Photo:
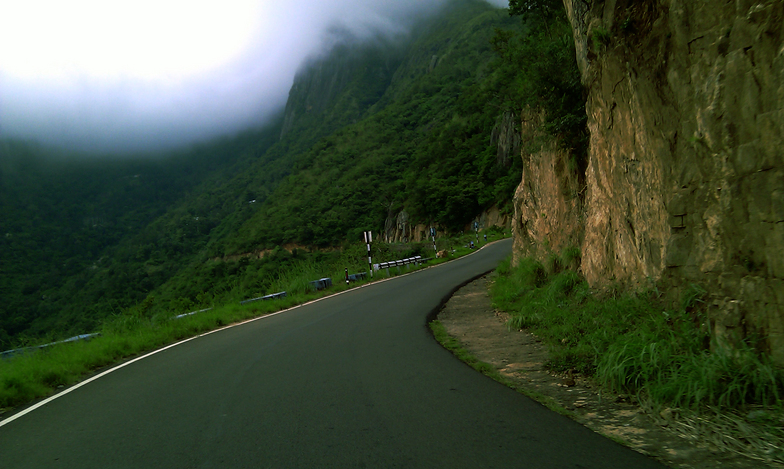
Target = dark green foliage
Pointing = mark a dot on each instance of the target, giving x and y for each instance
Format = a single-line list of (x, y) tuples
[(665, 360), (86, 237), (538, 12), (632, 344), (551, 82), (600, 38)]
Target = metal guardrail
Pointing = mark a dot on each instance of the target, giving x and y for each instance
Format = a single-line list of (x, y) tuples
[(321, 283), (18, 351), (398, 263), (191, 313), (265, 297), (358, 276)]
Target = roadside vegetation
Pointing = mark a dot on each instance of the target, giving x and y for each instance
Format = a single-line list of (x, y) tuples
[(139, 329), (663, 358), (632, 344)]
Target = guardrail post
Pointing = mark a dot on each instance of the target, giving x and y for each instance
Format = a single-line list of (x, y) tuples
[(369, 239)]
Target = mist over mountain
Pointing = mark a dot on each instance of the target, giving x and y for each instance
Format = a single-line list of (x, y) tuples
[(124, 78)]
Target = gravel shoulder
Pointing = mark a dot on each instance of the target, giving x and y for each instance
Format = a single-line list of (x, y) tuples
[(519, 356)]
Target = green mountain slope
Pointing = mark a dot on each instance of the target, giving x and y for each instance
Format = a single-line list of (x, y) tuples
[(66, 219), (368, 130), (425, 146)]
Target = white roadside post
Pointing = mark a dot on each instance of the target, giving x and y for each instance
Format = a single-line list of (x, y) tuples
[(433, 234), (368, 240)]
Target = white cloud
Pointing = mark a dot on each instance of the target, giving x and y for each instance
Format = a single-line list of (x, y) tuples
[(123, 75)]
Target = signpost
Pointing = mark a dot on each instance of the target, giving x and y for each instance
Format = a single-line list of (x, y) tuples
[(369, 239), (476, 229), (433, 234)]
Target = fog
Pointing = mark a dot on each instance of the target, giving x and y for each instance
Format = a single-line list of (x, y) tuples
[(126, 76)]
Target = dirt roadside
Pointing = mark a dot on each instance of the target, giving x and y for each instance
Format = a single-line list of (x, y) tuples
[(519, 356)]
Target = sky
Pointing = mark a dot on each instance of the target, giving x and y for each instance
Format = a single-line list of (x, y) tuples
[(125, 76)]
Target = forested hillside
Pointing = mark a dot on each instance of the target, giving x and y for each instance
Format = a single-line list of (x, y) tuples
[(424, 123), (67, 221), (426, 146)]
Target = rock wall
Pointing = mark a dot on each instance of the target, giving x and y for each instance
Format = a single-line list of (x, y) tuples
[(493, 217), (548, 204), (685, 181), (400, 228)]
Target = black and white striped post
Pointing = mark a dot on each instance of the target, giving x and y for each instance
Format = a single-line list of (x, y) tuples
[(433, 234), (368, 240)]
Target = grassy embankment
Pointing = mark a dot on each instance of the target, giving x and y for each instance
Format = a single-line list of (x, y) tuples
[(36, 374), (630, 343), (663, 358)]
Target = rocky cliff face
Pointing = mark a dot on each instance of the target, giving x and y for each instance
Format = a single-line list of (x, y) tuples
[(400, 228), (685, 181), (548, 203)]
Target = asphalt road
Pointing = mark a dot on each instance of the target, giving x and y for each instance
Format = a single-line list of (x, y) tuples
[(355, 380)]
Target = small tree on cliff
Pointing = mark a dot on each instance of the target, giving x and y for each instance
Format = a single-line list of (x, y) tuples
[(539, 70), (537, 12)]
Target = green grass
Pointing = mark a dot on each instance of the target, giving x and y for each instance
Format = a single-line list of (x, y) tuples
[(675, 371), (630, 343), (601, 37), (137, 330), (37, 374)]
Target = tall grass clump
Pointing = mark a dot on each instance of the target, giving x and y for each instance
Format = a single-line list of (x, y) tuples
[(670, 368), (632, 344)]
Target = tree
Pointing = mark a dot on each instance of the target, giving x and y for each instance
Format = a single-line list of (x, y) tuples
[(543, 8), (537, 13)]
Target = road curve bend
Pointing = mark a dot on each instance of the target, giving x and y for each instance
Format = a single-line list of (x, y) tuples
[(354, 380)]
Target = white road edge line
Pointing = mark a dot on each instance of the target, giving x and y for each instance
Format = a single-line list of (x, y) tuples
[(122, 365)]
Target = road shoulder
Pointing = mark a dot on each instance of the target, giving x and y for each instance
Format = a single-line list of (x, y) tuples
[(517, 359)]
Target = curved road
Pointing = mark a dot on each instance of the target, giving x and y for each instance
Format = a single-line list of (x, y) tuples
[(355, 380)]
